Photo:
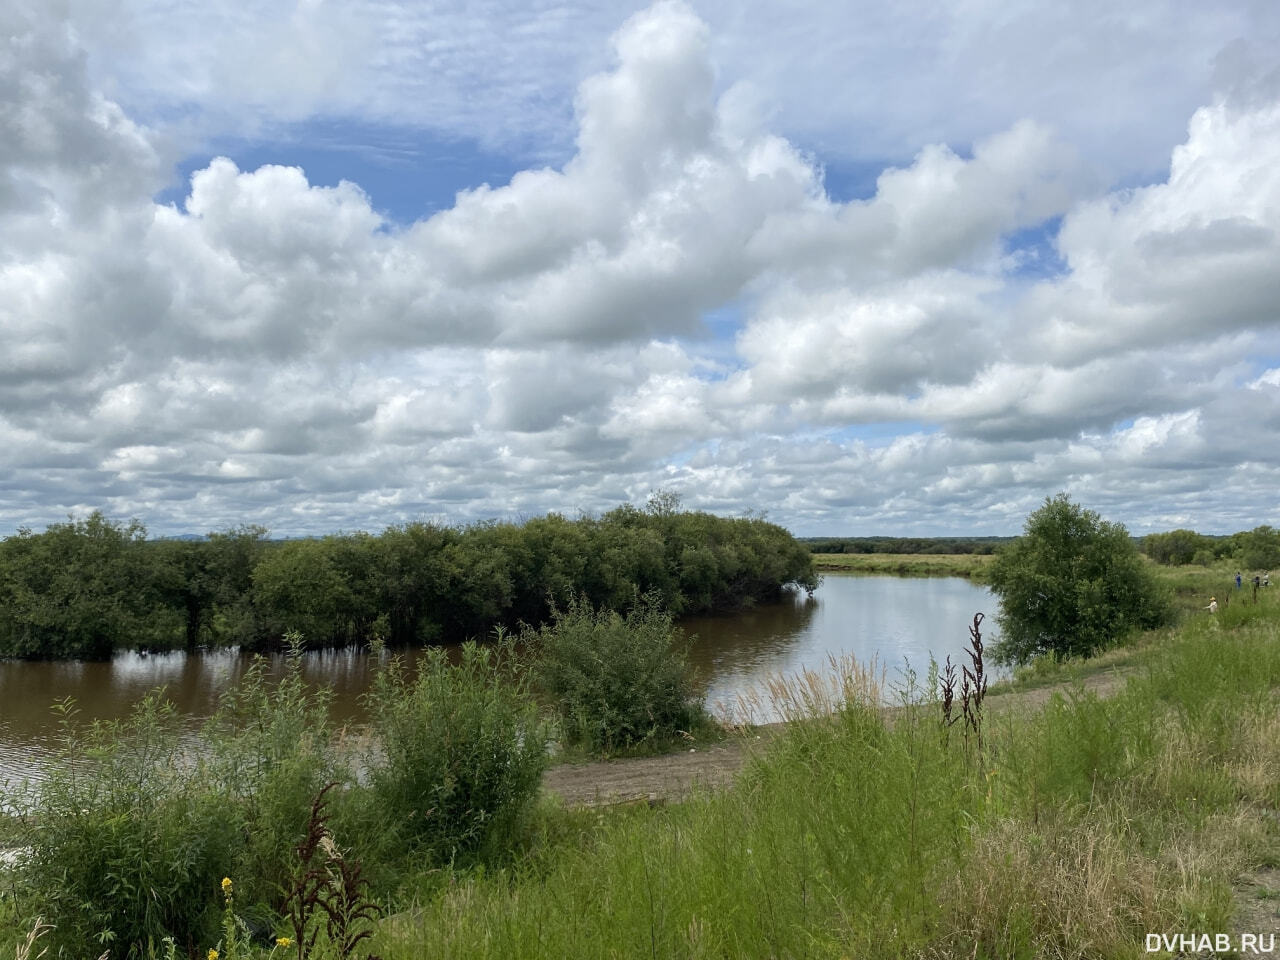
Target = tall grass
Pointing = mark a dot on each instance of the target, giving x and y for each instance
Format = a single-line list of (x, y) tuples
[(1079, 828), (126, 841), (460, 755), (808, 694)]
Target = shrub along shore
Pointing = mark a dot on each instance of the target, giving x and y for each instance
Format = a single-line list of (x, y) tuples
[(1079, 826), (87, 588), (1072, 829)]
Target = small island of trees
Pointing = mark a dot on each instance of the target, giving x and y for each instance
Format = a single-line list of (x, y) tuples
[(89, 587)]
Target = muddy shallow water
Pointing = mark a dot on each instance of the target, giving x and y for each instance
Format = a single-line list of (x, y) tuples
[(888, 619)]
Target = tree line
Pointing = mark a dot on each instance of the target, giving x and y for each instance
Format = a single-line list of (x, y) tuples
[(912, 545), (1256, 549), (89, 587)]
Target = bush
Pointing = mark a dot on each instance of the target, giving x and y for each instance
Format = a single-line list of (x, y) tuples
[(126, 844), (462, 754), (268, 751), (75, 591), (138, 820), (1203, 558), (616, 682), (1071, 584), (1177, 547)]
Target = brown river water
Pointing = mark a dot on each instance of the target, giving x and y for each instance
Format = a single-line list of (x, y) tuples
[(889, 620)]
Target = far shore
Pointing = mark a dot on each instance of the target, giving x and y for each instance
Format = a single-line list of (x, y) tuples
[(969, 565)]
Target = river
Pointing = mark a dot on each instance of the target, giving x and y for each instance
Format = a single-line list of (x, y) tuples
[(886, 620)]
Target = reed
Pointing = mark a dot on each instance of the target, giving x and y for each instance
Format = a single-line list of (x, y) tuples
[(808, 694), (1081, 826)]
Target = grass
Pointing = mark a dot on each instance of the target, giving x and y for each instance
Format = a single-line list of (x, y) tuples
[(906, 564), (1052, 671), (1072, 830), (1192, 586), (1082, 827)]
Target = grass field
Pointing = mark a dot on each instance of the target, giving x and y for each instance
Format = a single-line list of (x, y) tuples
[(906, 564)]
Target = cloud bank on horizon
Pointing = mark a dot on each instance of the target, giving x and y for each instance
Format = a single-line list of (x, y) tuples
[(1065, 275)]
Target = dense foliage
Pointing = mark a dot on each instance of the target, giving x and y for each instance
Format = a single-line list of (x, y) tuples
[(464, 753), (87, 588), (1179, 547), (74, 590), (127, 838), (1071, 584), (615, 681), (123, 839), (1257, 549)]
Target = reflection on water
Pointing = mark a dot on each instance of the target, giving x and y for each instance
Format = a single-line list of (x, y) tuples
[(108, 691), (891, 621), (885, 618)]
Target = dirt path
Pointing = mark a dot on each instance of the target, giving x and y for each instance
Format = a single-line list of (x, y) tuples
[(673, 776), (1257, 897)]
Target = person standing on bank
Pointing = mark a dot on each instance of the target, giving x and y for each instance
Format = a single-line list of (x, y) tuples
[(1213, 605), (1237, 579)]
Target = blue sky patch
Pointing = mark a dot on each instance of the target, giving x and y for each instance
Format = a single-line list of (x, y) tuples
[(408, 175)]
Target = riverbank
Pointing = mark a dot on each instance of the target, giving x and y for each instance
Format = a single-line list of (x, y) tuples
[(714, 764), (895, 619), (1091, 814), (906, 564), (1087, 805)]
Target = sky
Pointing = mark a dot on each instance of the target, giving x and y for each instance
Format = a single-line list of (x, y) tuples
[(866, 268)]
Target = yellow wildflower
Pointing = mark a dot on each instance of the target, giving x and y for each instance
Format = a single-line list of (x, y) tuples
[(284, 941), (213, 954), (226, 888)]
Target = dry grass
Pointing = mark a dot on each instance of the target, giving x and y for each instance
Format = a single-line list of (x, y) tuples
[(808, 694), (1255, 764), (1062, 890), (38, 930)]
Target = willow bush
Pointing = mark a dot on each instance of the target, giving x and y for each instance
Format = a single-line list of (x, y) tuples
[(459, 757), (86, 589), (616, 681), (1072, 584)]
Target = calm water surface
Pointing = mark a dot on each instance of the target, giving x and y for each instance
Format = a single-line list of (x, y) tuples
[(887, 619)]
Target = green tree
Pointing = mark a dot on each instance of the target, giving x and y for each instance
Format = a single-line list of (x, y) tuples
[(78, 590), (297, 586), (180, 583), (1071, 584), (230, 558), (1176, 547), (1260, 548)]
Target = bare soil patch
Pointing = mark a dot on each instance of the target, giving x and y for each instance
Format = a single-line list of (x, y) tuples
[(1257, 897)]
